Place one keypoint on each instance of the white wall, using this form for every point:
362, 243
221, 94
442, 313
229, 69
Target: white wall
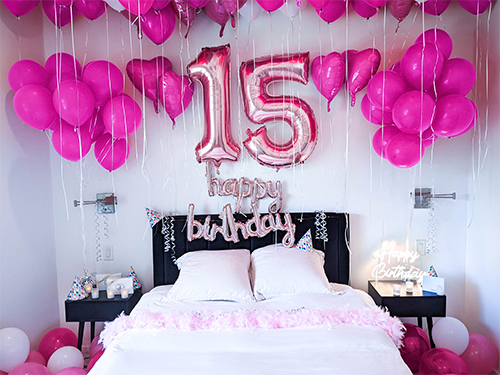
28, 277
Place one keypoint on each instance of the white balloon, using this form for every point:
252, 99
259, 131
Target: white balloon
67, 356
251, 10
115, 4
14, 348
450, 333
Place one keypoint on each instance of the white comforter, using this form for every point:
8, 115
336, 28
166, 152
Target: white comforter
342, 349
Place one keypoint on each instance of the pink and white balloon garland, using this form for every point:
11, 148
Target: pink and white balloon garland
421, 98
81, 106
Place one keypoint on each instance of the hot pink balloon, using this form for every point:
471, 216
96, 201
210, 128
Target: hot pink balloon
95, 347
458, 77
62, 62
415, 344
442, 361
33, 105
413, 112
145, 76
175, 93
27, 72
217, 13
231, 7
59, 15
375, 115
404, 150
20, 7
111, 154
454, 114
271, 5
95, 126
385, 88
434, 7
94, 359
361, 66
381, 137
333, 10
328, 73
160, 4
472, 123
428, 137
197, 3
376, 3
122, 116
30, 368
481, 355
137, 7
91, 9
421, 65
158, 25
74, 102
72, 143
36, 357
438, 37
363, 9
320, 4
71, 371
475, 7
400, 8
64, 2
104, 79
58, 79
184, 12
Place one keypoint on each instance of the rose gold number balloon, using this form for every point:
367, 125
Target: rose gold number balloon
211, 68
261, 108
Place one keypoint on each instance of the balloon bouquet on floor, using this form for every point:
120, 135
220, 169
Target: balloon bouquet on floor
421, 98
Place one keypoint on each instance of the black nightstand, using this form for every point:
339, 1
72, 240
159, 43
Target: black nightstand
418, 304
101, 309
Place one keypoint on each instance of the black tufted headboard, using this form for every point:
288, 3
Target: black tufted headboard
337, 256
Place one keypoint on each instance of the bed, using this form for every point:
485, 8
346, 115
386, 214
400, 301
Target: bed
253, 307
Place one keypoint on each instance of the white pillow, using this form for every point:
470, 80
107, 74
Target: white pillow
279, 270
213, 275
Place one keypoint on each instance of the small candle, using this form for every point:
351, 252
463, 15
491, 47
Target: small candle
110, 293
124, 293
88, 287
95, 293
396, 288
409, 286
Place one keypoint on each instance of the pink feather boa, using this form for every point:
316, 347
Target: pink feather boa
257, 319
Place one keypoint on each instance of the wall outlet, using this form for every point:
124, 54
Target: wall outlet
108, 253
421, 246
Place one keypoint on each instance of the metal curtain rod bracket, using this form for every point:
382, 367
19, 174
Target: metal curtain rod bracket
424, 197
105, 203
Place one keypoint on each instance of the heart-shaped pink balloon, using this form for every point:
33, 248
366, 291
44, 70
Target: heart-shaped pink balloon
400, 8
361, 66
184, 12
145, 75
59, 15
176, 93
231, 7
328, 74
158, 24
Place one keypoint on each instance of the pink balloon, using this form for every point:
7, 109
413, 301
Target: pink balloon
481, 355
271, 5
175, 93
400, 8
333, 11
217, 13
472, 123
361, 66
137, 7
36, 357
458, 77
111, 154
421, 65
442, 361
185, 13
20, 7
55, 339
145, 76
160, 4
58, 79
104, 79
428, 137
320, 4
415, 344
404, 150
62, 62
71, 371
413, 112
95, 126
363, 9
328, 73
91, 9
30, 368
454, 113
122, 116
27, 72
438, 37
385, 88
33, 105
94, 359
72, 143
375, 115
95, 347
197, 3
434, 7
381, 137
158, 25
74, 102
59, 15
376, 3
64, 2
475, 7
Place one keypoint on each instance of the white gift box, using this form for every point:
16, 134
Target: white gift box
433, 284
103, 279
